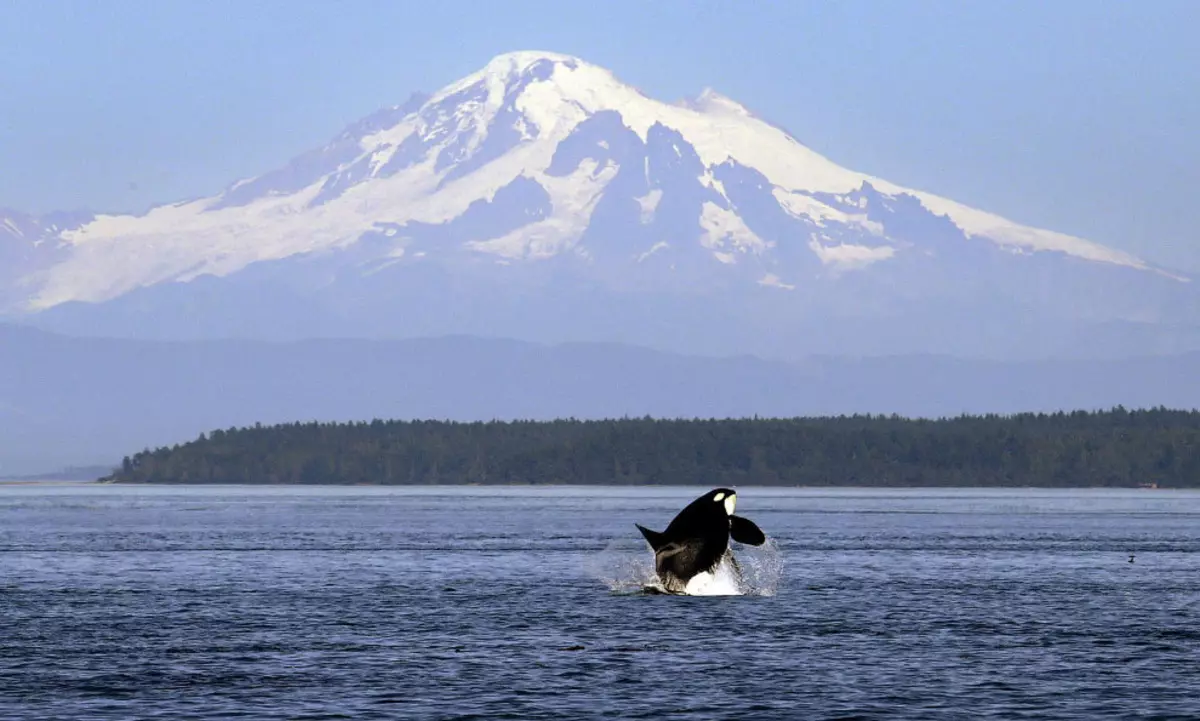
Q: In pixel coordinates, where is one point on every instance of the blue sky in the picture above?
(1075, 115)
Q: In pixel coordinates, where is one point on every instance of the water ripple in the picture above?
(307, 604)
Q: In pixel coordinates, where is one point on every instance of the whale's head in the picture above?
(726, 497)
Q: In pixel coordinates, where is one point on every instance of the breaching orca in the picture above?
(698, 538)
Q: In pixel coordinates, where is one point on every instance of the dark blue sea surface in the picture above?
(523, 603)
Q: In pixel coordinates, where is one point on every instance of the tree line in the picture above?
(1115, 448)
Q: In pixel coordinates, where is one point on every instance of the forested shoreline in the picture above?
(1115, 448)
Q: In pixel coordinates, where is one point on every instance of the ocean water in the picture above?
(526, 603)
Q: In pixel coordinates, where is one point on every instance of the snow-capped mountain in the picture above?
(543, 198)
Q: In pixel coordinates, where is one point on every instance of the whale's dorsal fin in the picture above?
(654, 538)
(744, 531)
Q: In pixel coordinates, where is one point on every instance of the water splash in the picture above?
(626, 566)
(761, 568)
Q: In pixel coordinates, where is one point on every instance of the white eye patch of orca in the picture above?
(718, 497)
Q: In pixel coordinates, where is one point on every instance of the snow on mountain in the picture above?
(28, 245)
(541, 156)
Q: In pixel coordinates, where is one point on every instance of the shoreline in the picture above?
(120, 484)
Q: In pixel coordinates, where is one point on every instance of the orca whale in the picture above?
(697, 539)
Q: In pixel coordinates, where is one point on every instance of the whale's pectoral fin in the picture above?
(654, 538)
(744, 531)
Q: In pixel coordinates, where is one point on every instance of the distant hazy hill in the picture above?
(82, 401)
(74, 473)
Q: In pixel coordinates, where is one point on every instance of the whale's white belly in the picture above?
(721, 581)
